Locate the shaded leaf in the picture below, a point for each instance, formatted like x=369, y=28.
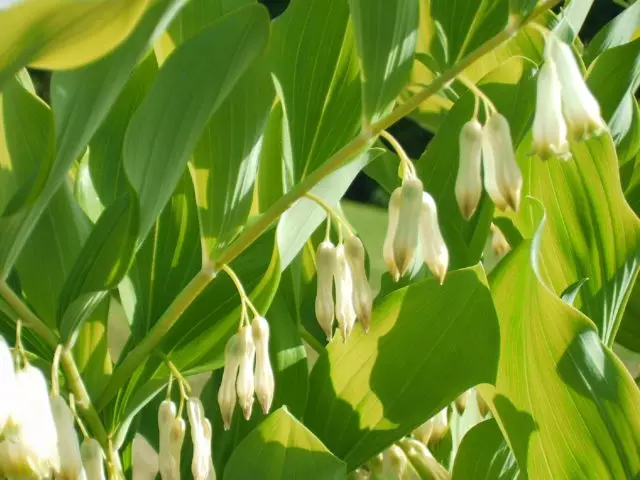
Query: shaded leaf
x=618, y=31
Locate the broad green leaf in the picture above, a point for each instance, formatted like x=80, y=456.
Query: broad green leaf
x=591, y=231
x=512, y=89
x=484, y=454
x=614, y=77
x=165, y=129
x=81, y=99
x=274, y=166
x=427, y=344
x=320, y=88
x=386, y=35
x=282, y=447
x=629, y=333
x=198, y=14
x=618, y=31
x=63, y=34
x=571, y=19
x=565, y=402
x=101, y=264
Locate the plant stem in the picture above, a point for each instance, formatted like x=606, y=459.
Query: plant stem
x=310, y=339
x=136, y=356
x=251, y=233
x=477, y=92
x=340, y=222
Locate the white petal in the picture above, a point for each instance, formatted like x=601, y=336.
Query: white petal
x=392, y=226
x=549, y=127
x=264, y=380
x=7, y=381
x=406, y=237
x=68, y=447
x=469, y=178
x=362, y=295
x=166, y=417
x=227, y=392
x=434, y=249
x=93, y=459
x=345, y=313
x=325, y=267
x=201, y=444
x=245, y=384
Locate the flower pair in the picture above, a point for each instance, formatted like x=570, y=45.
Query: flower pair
x=247, y=371
x=413, y=215
x=490, y=147
x=344, y=267
x=564, y=105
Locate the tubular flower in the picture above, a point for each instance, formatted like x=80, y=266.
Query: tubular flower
x=245, y=383
x=392, y=227
x=580, y=108
x=440, y=426
x=227, y=392
x=423, y=432
x=208, y=433
x=265, y=384
x=7, y=382
x=166, y=416
x=499, y=243
x=434, y=250
x=176, y=438
x=345, y=313
x=362, y=296
x=461, y=402
x=502, y=177
x=396, y=461
x=325, y=266
x=469, y=179
x=92, y=459
x=71, y=467
x=201, y=438
x=405, y=240
x=549, y=127
x=29, y=444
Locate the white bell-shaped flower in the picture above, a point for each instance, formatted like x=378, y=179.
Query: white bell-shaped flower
x=29, y=445
x=265, y=384
x=440, y=425
x=469, y=179
x=227, y=392
x=392, y=227
x=201, y=462
x=423, y=432
x=405, y=240
x=502, y=177
x=325, y=267
x=580, y=108
x=549, y=126
x=345, y=313
x=71, y=467
x=166, y=416
x=176, y=438
x=93, y=459
x=208, y=433
x=434, y=250
x=7, y=383
x=396, y=462
x=245, y=384
x=499, y=243
x=362, y=295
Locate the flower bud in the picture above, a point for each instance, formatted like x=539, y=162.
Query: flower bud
x=469, y=179
x=325, y=266
x=580, y=108
x=483, y=408
x=7, y=382
x=200, y=464
x=166, y=417
x=345, y=313
x=423, y=460
x=549, y=127
x=440, y=426
x=502, y=177
x=362, y=296
x=208, y=433
x=71, y=467
x=265, y=384
x=499, y=243
x=406, y=237
x=92, y=459
x=396, y=460
x=29, y=445
x=423, y=432
x=392, y=227
x=245, y=384
x=434, y=250
x=227, y=392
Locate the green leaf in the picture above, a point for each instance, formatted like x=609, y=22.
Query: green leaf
x=571, y=20
x=591, y=232
x=165, y=129
x=614, y=77
x=320, y=89
x=282, y=447
x=565, y=402
x=512, y=89
x=81, y=99
x=274, y=165
x=63, y=34
x=443, y=340
x=386, y=35
x=484, y=454
x=618, y=31
x=629, y=333
x=101, y=264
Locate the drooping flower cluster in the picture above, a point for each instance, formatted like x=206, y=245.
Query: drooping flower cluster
x=565, y=108
x=343, y=267
x=413, y=215
x=37, y=433
x=247, y=371
x=201, y=435
x=492, y=148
